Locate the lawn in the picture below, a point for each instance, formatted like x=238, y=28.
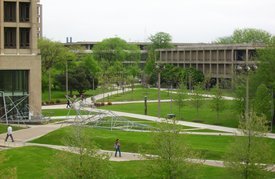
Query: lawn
x=205, y=115
x=58, y=95
x=62, y=112
x=34, y=162
x=138, y=95
x=212, y=147
x=3, y=128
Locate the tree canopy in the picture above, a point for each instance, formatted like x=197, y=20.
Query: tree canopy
x=247, y=35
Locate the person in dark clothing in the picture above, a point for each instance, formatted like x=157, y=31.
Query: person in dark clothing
x=117, y=148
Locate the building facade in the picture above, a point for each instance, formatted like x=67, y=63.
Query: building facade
x=218, y=62
x=20, y=62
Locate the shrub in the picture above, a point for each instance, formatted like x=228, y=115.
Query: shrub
x=109, y=103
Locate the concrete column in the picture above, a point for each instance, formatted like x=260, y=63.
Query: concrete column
x=178, y=58
x=17, y=28
x=33, y=21
x=190, y=59
x=217, y=67
x=225, y=62
x=210, y=62
x=233, y=73
x=1, y=27
x=246, y=55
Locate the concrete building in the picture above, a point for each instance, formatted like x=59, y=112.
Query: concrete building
x=218, y=62
x=20, y=62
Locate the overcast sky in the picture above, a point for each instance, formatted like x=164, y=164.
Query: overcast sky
x=135, y=20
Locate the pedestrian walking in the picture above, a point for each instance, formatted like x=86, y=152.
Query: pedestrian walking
x=68, y=104
x=117, y=148
x=9, y=134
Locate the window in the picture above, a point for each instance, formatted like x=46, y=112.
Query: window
x=10, y=11
x=10, y=37
x=24, y=38
x=24, y=11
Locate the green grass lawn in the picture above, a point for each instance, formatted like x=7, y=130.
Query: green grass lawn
x=62, y=112
x=3, y=128
x=138, y=95
x=34, y=162
x=60, y=95
x=205, y=115
x=211, y=147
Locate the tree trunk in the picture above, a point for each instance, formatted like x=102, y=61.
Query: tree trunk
x=50, y=84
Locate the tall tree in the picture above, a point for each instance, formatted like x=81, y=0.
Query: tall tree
x=52, y=53
x=197, y=99
x=116, y=49
x=217, y=103
x=172, y=155
x=262, y=102
x=248, y=156
x=84, y=160
x=158, y=41
x=265, y=72
x=179, y=100
x=247, y=35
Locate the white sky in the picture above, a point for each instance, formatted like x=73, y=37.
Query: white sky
x=135, y=20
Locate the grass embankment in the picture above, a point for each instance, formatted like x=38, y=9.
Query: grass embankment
x=3, y=128
x=34, y=162
x=205, y=115
x=211, y=147
x=138, y=95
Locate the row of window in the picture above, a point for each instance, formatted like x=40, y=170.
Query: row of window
x=10, y=11
x=10, y=38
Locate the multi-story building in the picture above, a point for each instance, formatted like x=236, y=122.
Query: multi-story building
x=218, y=62
x=20, y=62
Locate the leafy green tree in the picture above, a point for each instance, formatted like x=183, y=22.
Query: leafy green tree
x=248, y=156
x=217, y=103
x=116, y=49
x=194, y=77
x=92, y=69
x=52, y=54
x=180, y=97
x=83, y=161
x=172, y=155
x=161, y=40
x=262, y=101
x=158, y=41
x=247, y=35
x=197, y=99
x=265, y=72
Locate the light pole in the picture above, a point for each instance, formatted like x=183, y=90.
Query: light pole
x=159, y=68
x=246, y=69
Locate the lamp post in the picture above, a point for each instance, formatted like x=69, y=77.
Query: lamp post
x=246, y=69
x=159, y=68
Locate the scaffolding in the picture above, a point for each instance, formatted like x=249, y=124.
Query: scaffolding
x=13, y=112
x=87, y=114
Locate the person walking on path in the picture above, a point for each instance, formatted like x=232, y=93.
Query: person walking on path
x=9, y=134
x=68, y=104
x=117, y=147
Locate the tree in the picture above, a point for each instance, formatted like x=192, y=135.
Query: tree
x=172, y=155
x=158, y=41
x=116, y=49
x=92, y=69
x=180, y=98
x=197, y=99
x=194, y=77
x=265, y=72
x=248, y=35
x=248, y=156
x=161, y=40
x=52, y=54
x=262, y=101
x=217, y=103
x=84, y=160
